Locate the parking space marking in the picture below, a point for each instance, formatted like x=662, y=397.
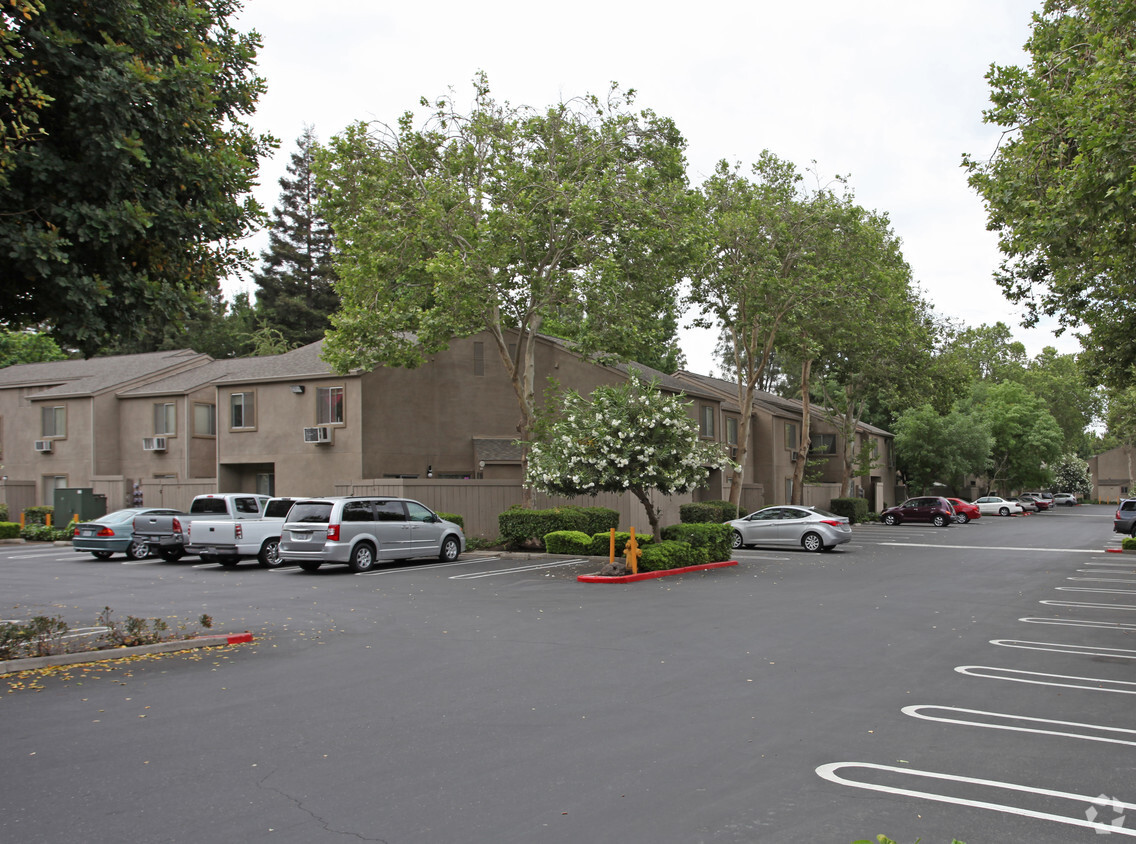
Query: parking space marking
x=430, y=567
x=1080, y=622
x=993, y=548
x=917, y=711
x=828, y=772
x=1094, y=589
x=1104, y=571
x=517, y=570
x=1014, y=675
x=1088, y=605
x=1101, y=579
x=1057, y=647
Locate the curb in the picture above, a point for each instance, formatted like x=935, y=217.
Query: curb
x=652, y=575
x=13, y=666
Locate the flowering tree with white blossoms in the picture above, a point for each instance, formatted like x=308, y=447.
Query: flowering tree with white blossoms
x=627, y=438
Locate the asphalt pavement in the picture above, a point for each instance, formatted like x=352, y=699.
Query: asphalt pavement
x=972, y=682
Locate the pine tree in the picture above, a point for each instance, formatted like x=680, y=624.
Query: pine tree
x=296, y=294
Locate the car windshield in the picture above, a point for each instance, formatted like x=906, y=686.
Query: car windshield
x=311, y=511
x=278, y=509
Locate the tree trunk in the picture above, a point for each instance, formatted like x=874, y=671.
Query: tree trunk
x=521, y=368
x=652, y=513
x=806, y=437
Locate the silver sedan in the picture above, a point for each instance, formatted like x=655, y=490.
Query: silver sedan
x=810, y=527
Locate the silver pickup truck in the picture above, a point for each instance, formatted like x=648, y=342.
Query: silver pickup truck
x=229, y=541
x=168, y=536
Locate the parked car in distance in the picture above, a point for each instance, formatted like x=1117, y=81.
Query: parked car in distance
x=1066, y=499
x=358, y=531
x=812, y=528
x=964, y=510
x=992, y=505
x=167, y=535
x=114, y=534
x=1125, y=521
x=1039, y=499
x=926, y=508
x=229, y=541
x=1027, y=504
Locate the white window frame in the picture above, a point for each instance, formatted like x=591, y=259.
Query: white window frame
x=246, y=400
x=165, y=419
x=56, y=428
x=326, y=405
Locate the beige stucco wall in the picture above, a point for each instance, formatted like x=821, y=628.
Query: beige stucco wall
x=1114, y=474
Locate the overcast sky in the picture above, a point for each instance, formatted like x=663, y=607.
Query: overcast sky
x=887, y=92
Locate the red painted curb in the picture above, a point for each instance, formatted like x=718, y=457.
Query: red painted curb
x=239, y=638
x=651, y=575
x=1114, y=550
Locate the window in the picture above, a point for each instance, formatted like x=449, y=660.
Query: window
x=242, y=410
x=706, y=420
x=205, y=420
x=792, y=441
x=50, y=484
x=357, y=511
x=418, y=513
x=165, y=419
x=731, y=431
x=54, y=421
x=478, y=357
x=329, y=406
x=823, y=444
x=390, y=511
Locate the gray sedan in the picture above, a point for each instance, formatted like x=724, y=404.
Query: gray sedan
x=810, y=527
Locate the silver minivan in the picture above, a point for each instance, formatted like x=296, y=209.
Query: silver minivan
x=361, y=530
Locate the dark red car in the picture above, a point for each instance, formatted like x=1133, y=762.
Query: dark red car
x=964, y=510
x=926, y=508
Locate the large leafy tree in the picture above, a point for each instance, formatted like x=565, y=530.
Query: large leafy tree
x=27, y=347
x=1061, y=190
x=1026, y=438
x=626, y=438
x=757, y=272
x=21, y=97
x=941, y=448
x=296, y=294
x=505, y=219
x=128, y=200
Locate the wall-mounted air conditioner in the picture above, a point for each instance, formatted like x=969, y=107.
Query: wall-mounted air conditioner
x=794, y=455
x=318, y=434
x=43, y=446
x=153, y=443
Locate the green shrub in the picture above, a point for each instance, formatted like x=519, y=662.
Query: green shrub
x=601, y=542
x=42, y=636
x=43, y=533
x=9, y=530
x=568, y=542
x=707, y=511
x=37, y=515
x=714, y=538
x=1129, y=544
x=856, y=509
x=596, y=519
x=520, y=526
x=3, y=512
x=452, y=517
x=670, y=554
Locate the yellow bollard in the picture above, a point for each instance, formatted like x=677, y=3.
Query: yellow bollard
x=632, y=552
x=611, y=547
x=47, y=519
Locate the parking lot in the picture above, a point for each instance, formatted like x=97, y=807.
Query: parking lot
x=971, y=682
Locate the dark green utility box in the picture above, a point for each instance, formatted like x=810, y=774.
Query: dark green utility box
x=78, y=501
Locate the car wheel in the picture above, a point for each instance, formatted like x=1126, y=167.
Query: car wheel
x=812, y=542
x=1003, y=511
x=940, y=520
x=229, y=562
x=102, y=555
x=451, y=548
x=891, y=519
x=138, y=551
x=310, y=565
x=736, y=540
x=171, y=555
x=269, y=555
x=362, y=558
x=962, y=518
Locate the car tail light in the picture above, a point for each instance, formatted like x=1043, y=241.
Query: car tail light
x=831, y=522
x=75, y=532
x=104, y=532
x=176, y=525
x=240, y=531
x=333, y=533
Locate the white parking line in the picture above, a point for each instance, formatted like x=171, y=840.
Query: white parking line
x=517, y=570
x=1091, y=589
x=1078, y=622
x=994, y=548
x=1014, y=675
x=1058, y=647
x=1087, y=605
x=1101, y=580
x=828, y=772
x=918, y=710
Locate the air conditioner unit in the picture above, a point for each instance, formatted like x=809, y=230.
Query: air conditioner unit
x=793, y=455
x=318, y=434
x=43, y=446
x=153, y=443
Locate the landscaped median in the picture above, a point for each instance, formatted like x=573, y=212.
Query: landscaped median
x=33, y=663
x=650, y=575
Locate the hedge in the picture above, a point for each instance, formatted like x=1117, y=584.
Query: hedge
x=601, y=542
x=707, y=511
x=43, y=533
x=3, y=512
x=716, y=539
x=574, y=542
x=1128, y=544
x=856, y=509
x=520, y=526
x=452, y=517
x=671, y=555
x=9, y=530
x=37, y=515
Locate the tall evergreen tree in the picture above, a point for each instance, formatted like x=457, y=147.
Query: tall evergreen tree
x=296, y=293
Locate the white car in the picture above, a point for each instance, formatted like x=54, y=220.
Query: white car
x=992, y=505
x=1066, y=498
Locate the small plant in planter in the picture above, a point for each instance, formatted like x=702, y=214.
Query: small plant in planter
x=1128, y=544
